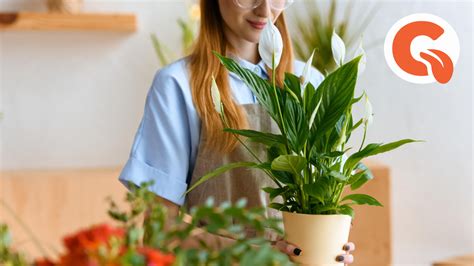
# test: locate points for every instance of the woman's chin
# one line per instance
(253, 37)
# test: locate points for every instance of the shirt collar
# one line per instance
(258, 68)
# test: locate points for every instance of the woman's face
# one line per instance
(247, 24)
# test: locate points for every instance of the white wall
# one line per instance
(75, 99)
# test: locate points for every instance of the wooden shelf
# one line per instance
(37, 21)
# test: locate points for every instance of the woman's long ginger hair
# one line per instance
(203, 64)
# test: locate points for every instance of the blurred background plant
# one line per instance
(314, 31)
(189, 28)
(136, 241)
(9, 257)
(230, 220)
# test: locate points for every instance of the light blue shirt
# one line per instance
(167, 139)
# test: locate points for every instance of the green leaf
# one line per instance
(373, 149)
(281, 176)
(309, 101)
(275, 150)
(187, 37)
(262, 89)
(339, 133)
(336, 93)
(338, 176)
(216, 221)
(159, 49)
(316, 190)
(290, 163)
(356, 100)
(131, 257)
(360, 178)
(268, 139)
(346, 209)
(292, 82)
(274, 192)
(354, 127)
(296, 124)
(219, 171)
(361, 199)
(277, 206)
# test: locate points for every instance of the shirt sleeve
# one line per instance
(162, 144)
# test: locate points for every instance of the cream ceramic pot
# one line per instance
(320, 237)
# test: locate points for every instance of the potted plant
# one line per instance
(308, 161)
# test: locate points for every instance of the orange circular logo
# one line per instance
(422, 48)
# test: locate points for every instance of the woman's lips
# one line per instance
(257, 25)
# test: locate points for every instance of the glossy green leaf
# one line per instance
(362, 177)
(219, 171)
(275, 192)
(309, 101)
(338, 176)
(262, 89)
(292, 83)
(268, 139)
(336, 93)
(296, 124)
(316, 190)
(373, 149)
(289, 163)
(361, 199)
(277, 206)
(347, 210)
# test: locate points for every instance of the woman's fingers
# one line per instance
(345, 258)
(349, 247)
(288, 248)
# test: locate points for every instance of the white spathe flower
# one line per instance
(363, 60)
(270, 45)
(338, 48)
(369, 113)
(216, 96)
(306, 75)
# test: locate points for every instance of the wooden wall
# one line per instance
(54, 203)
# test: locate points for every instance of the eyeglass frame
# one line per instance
(259, 2)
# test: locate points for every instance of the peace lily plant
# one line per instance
(308, 161)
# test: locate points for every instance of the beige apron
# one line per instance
(241, 182)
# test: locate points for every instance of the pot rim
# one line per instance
(312, 215)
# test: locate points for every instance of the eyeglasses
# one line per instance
(275, 4)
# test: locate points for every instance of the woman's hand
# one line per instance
(347, 258)
(291, 249)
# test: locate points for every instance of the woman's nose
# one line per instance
(263, 10)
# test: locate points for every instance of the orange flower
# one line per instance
(155, 257)
(91, 239)
(83, 249)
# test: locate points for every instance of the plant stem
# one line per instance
(363, 139)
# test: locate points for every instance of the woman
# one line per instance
(180, 137)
